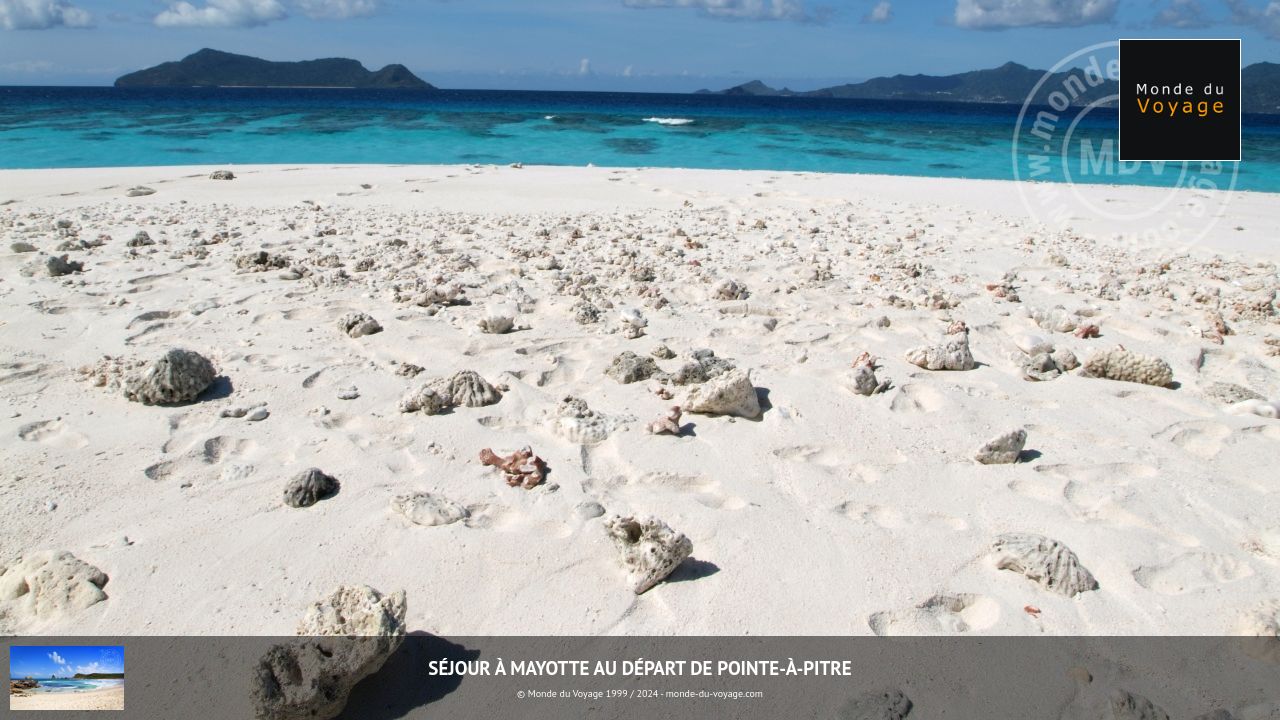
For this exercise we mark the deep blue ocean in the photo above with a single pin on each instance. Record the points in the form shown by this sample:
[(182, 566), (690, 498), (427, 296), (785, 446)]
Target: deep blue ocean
[(93, 127)]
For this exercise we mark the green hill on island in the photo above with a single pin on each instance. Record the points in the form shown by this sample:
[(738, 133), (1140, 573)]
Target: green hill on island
[(99, 676), (214, 68), (1008, 84)]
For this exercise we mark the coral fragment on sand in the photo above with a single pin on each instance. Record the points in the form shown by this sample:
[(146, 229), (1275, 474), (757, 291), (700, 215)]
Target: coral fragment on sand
[(628, 367), (951, 354), (1127, 366), (466, 388), (650, 549), (428, 509), (310, 487), (1003, 450), (51, 265), (49, 585), (178, 376), (1045, 561), (522, 468), (728, 394), (342, 639), (358, 324), (668, 424)]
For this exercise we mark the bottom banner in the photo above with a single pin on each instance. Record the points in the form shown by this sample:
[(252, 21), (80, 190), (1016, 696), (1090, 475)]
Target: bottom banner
[(423, 676)]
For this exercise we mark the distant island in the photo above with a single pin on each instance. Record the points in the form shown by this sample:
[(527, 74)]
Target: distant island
[(1261, 88), (214, 68), (1008, 84), (99, 676)]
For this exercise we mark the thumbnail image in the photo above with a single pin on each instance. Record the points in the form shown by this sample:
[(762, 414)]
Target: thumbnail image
[(66, 677)]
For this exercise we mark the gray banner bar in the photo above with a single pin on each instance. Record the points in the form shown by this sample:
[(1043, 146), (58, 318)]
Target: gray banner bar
[(647, 678)]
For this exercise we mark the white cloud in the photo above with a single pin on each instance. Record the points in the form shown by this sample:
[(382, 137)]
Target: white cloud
[(56, 658), (337, 9), (584, 67), (1182, 14), (222, 14), (1267, 20), (881, 13), (41, 15), (738, 9), (997, 14), (93, 667)]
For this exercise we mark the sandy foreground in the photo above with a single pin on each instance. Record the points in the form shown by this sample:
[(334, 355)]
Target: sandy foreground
[(833, 512), (111, 698)]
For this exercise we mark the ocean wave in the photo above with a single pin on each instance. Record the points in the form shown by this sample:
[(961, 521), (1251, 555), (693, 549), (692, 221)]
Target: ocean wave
[(669, 121)]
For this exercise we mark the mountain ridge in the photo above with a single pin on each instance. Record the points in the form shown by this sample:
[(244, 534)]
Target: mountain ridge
[(1008, 84), (215, 68)]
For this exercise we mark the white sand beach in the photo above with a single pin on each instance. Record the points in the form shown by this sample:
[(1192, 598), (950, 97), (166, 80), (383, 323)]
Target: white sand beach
[(832, 512), (111, 698)]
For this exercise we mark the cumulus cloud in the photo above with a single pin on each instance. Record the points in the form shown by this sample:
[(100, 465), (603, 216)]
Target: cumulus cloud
[(1182, 14), (740, 9), (41, 15), (337, 9), (1266, 20), (222, 14), (999, 14), (881, 13), (93, 667), (584, 67), (56, 658)]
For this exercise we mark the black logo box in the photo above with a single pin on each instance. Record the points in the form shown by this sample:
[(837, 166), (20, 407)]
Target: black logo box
[(1190, 64)]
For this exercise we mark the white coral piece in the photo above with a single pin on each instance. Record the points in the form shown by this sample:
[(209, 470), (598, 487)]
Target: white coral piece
[(1055, 319), (650, 549), (633, 323), (728, 290), (1128, 366), (577, 423), (730, 393), (429, 509), (1048, 562), (343, 639), (498, 320), (465, 388), (358, 324), (424, 400), (1032, 344), (951, 354), (1003, 450), (49, 585)]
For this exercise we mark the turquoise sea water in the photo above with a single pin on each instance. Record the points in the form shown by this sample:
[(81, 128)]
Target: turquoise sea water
[(71, 685), (94, 127)]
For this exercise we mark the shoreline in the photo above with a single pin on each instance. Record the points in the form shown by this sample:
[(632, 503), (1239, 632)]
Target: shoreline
[(1246, 227), (611, 168), (111, 698)]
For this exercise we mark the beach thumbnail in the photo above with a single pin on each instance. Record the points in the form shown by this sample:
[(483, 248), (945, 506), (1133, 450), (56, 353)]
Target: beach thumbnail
[(66, 677)]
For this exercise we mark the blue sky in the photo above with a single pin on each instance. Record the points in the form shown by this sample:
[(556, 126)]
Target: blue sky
[(64, 660), (635, 45)]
